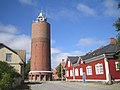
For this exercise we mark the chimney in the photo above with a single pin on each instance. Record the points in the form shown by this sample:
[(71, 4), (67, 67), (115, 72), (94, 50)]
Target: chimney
[(63, 60), (112, 41)]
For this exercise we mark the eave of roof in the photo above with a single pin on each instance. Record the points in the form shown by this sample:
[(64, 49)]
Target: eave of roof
[(109, 49)]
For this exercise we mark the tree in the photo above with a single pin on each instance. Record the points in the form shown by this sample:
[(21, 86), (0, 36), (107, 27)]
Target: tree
[(118, 39), (7, 75), (27, 69), (117, 23), (119, 5), (59, 70), (117, 26)]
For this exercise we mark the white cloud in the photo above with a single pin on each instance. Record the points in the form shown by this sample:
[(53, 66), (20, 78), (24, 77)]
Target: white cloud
[(10, 37), (77, 53), (21, 42), (56, 59), (111, 8), (90, 42), (28, 2), (53, 41), (86, 10), (57, 55), (7, 29), (71, 14), (55, 50), (63, 13)]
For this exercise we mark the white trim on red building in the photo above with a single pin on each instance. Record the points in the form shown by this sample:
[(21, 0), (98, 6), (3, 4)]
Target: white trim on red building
[(107, 69), (98, 65)]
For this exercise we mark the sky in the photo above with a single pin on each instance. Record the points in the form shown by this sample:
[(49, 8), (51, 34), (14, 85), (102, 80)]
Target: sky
[(77, 26)]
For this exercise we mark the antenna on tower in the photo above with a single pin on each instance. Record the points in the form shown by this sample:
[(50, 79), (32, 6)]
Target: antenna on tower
[(41, 5), (46, 13), (42, 15)]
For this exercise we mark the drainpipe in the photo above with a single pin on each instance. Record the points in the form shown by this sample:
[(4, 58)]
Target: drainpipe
[(73, 74), (108, 76)]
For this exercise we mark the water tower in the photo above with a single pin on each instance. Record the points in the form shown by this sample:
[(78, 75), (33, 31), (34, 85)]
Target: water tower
[(40, 64)]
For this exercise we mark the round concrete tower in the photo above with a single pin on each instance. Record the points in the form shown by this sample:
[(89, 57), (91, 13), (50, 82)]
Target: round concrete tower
[(40, 64)]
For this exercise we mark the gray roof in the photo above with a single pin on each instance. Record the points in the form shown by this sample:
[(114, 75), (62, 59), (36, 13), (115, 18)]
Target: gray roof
[(109, 49), (73, 59)]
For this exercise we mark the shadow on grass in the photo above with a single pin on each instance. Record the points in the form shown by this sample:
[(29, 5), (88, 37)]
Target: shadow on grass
[(32, 83), (26, 85), (23, 87)]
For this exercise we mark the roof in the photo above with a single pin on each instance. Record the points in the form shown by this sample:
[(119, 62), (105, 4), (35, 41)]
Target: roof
[(109, 49), (73, 59), (3, 45)]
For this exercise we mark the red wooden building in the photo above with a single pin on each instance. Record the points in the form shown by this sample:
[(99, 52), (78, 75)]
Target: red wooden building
[(98, 65)]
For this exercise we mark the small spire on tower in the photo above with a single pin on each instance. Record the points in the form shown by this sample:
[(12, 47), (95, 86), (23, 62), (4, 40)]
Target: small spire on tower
[(41, 17)]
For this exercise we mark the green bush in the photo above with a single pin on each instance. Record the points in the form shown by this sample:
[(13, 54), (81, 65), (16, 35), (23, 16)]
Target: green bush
[(7, 76)]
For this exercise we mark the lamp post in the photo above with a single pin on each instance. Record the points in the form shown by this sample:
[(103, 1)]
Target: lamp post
[(61, 73)]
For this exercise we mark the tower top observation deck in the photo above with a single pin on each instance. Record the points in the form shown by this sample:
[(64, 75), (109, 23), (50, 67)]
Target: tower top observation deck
[(41, 17)]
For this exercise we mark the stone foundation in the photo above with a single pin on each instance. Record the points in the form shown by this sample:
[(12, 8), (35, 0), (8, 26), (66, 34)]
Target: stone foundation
[(40, 75)]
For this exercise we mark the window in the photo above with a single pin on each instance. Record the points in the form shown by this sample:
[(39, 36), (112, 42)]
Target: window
[(89, 70), (68, 63), (67, 73), (81, 71), (76, 72), (117, 65), (8, 57), (71, 73), (99, 68)]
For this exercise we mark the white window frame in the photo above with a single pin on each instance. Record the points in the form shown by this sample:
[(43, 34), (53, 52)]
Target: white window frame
[(99, 68), (116, 66), (81, 71), (67, 73), (71, 72), (76, 72), (68, 63), (89, 70)]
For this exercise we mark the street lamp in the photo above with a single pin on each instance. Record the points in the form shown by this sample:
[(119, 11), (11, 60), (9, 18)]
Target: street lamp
[(61, 73)]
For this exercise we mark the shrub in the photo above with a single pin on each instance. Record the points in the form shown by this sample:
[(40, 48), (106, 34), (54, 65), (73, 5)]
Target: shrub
[(7, 76)]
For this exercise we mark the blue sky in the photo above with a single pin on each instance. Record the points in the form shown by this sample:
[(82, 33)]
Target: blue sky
[(77, 26)]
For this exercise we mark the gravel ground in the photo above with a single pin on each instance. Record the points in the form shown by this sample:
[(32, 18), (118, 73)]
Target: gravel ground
[(61, 85)]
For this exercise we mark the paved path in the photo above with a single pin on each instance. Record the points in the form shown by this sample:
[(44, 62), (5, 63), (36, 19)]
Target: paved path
[(57, 85)]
